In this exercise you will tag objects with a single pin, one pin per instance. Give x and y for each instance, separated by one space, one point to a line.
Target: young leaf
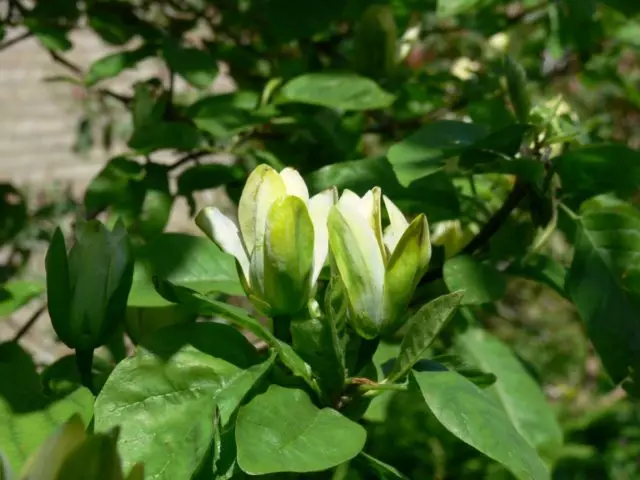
281 430
476 419
424 152
604 284
113 64
480 283
423 329
521 397
336 90
382 470
165 396
517 88
17 293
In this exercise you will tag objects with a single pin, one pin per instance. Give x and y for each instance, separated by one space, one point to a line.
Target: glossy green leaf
150 137
521 397
165 396
281 430
193 262
17 293
481 283
343 91
422 330
478 420
196 66
382 470
27 415
517 89
604 284
423 153
591 170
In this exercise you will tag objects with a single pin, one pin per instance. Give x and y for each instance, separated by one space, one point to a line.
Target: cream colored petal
264 186
398 224
224 233
294 184
319 208
361 266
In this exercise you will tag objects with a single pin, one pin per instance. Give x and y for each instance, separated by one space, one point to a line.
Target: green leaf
517 89
449 8
51 36
434 195
194 262
196 66
113 64
148 138
27 415
496 151
374 52
282 431
17 293
114 187
628 7
343 91
164 398
207 176
228 114
157 203
424 152
604 284
518 393
592 170
481 283
382 470
95 457
423 329
6 473
478 420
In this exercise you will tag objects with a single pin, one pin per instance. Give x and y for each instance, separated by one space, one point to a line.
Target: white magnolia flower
379 269
282 244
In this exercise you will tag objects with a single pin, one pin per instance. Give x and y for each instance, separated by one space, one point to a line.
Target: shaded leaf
281 430
517 89
17 293
113 64
196 66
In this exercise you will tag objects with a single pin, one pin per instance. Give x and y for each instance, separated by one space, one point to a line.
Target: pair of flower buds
285 238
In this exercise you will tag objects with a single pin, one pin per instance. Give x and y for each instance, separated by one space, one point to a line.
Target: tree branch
15 40
30 323
188 158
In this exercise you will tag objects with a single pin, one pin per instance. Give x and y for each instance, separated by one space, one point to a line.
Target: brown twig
30 323
14 40
188 158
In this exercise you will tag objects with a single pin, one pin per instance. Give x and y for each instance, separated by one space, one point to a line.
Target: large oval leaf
519 394
480 283
475 418
604 284
343 91
186 260
282 431
164 398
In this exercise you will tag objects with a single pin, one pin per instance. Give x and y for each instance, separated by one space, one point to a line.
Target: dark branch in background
14 40
188 158
30 323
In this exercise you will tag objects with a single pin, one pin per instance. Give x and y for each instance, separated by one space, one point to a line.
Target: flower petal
360 264
319 208
294 184
224 233
398 224
407 264
264 186
288 256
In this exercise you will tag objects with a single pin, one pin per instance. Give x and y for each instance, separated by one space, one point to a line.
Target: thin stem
15 40
30 323
188 158
84 362
380 387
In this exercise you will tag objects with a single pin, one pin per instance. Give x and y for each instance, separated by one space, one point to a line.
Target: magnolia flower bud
379 270
282 243
88 287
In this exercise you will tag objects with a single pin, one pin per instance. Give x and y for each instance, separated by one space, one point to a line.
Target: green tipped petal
407 265
224 233
288 256
360 264
264 186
